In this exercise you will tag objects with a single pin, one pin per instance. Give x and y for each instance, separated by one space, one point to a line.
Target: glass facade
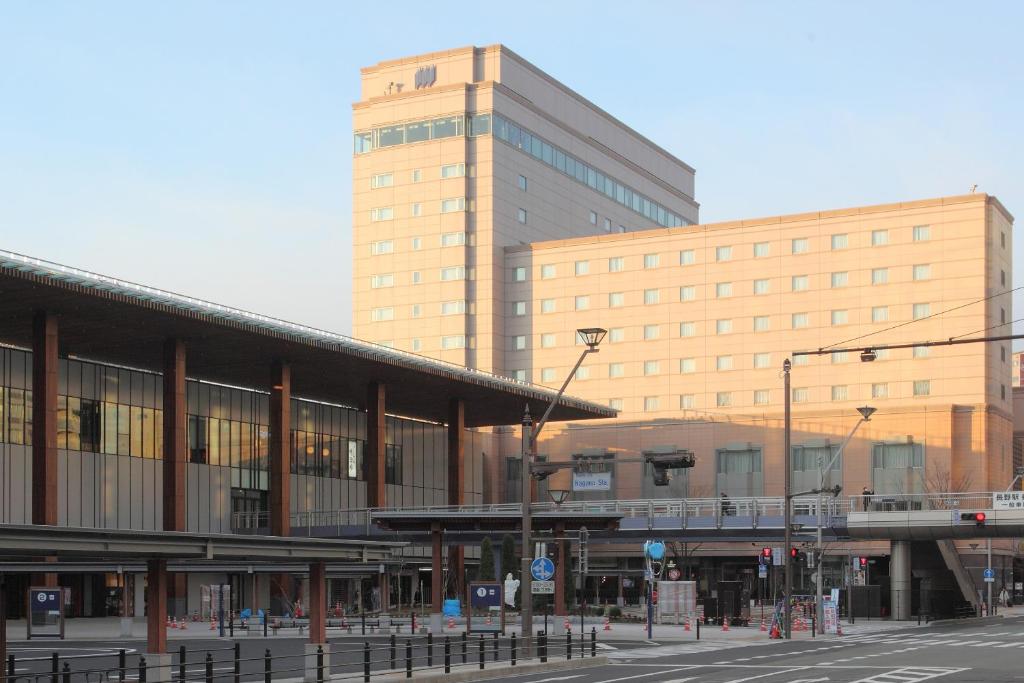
486 123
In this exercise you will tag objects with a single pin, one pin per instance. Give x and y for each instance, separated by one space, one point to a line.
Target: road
958 653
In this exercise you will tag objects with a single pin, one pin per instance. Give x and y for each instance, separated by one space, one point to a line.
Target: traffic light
766 553
977 517
863 563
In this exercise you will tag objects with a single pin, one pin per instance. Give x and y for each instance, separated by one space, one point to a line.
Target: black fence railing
342 661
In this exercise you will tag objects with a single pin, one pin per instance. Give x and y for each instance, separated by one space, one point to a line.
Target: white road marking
557 678
606 646
652 673
770 673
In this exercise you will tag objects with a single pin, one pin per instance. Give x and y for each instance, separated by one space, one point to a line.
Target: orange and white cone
183 626
725 623
489 622
174 623
839 628
451 622
686 624
213 624
764 627
567 626
167 624
775 632
607 624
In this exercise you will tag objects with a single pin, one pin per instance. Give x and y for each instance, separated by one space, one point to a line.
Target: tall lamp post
787 518
865 415
592 337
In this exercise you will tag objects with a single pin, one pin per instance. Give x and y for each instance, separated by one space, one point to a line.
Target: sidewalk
109 628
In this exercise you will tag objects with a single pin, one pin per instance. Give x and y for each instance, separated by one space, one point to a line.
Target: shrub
614 612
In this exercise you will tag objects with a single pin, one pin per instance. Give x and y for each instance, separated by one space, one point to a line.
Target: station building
128 408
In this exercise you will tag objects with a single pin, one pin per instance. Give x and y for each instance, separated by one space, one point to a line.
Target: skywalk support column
317 623
44 425
157 660
280 475
436 583
457 488
175 450
899 580
560 566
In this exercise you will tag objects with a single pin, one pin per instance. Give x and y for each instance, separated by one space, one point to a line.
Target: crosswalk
911 674
695 647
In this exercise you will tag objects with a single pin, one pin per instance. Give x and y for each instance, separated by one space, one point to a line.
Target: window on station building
519 274
382 314
800 283
547 305
382 247
762 249
761 397
762 323
581 267
687 293
762 360
800 245
453 170
453 205
382 213
723 253
547 340
687 257
761 286
879 238
616 370
922 233
879 314
922 271
687 365
616 335
616 300
382 180
616 264
687 329
547 271
723 289
651 296
840 279
840 241
453 239
651 260
453 341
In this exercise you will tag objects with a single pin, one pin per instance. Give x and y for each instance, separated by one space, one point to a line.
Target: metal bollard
121 657
568 644
814 625
447 655
593 641
142 670
393 654
465 645
209 668
181 663
66 673
430 649
266 618
319 664
267 666
231 623
363 619
54 666
366 662
481 651
408 658
512 649
542 646
698 629
238 663
10 666
495 647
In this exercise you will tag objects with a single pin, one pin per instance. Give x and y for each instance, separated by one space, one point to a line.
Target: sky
205 147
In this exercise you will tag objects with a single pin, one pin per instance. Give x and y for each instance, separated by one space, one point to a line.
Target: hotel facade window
800 283
723 253
762 360
762 249
687 293
840 241
382 247
879 314
651 260
547 341
687 329
582 267
616 264
800 245
616 300
879 276
723 289
840 279
897 468
922 233
922 272
547 271
651 296
739 472
687 257
761 286
381 180
879 238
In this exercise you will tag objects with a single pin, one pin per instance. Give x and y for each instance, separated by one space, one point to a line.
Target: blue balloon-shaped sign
654 550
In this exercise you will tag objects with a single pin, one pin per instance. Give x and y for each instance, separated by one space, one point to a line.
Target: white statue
511 588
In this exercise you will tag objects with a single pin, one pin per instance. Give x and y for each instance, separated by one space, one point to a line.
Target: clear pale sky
205 147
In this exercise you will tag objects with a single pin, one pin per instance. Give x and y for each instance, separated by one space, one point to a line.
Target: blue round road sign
990 573
542 569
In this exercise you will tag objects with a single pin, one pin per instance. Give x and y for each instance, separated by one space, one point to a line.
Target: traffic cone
213 624
764 626
686 624
607 624
567 626
451 622
174 623
167 624
489 622
183 627
839 628
725 624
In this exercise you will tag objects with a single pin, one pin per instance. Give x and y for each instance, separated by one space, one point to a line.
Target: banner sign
1008 500
591 481
831 615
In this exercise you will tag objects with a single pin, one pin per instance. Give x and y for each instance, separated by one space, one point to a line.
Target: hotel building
480 246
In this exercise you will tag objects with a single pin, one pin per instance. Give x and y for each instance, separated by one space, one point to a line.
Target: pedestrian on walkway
867 493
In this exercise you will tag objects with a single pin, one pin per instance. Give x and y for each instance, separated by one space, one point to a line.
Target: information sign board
46 612
542 587
591 481
485 609
1008 500
831 615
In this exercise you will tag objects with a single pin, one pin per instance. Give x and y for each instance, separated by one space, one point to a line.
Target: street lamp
865 415
592 337
558 496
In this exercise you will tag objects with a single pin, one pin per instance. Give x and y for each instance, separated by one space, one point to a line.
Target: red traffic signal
794 553
977 517
863 563
766 552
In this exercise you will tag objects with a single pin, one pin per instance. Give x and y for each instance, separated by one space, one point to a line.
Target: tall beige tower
460 154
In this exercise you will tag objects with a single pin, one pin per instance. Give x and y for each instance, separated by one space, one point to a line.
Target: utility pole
786 514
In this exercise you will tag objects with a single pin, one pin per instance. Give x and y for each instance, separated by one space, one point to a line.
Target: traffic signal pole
787 563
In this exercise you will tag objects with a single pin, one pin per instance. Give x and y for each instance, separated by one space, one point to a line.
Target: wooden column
45 374
560 568
175 433
317 603
280 475
280 449
457 486
156 607
375 445
44 418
